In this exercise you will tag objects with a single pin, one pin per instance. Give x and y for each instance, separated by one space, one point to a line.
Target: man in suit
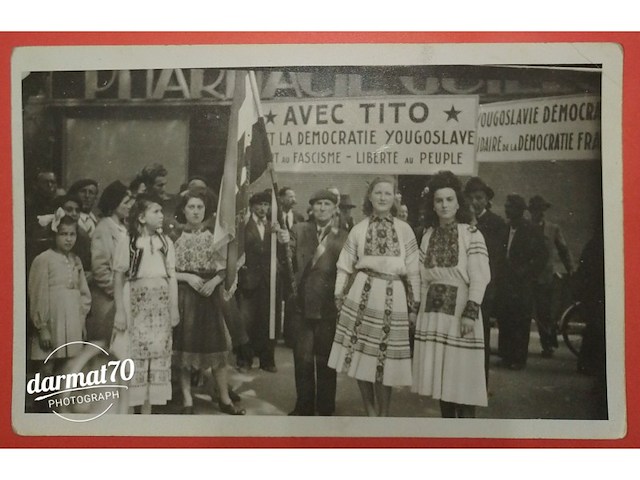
284 308
315 248
254 285
548 286
346 205
492 227
524 255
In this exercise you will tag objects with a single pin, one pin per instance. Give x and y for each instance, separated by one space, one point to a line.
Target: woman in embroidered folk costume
200 340
146 297
378 273
448 362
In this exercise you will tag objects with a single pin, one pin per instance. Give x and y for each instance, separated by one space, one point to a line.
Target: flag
247 157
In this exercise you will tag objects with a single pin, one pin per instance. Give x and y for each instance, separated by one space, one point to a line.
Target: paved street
548 388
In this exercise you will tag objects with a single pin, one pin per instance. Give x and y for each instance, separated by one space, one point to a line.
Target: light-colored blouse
384 245
153 263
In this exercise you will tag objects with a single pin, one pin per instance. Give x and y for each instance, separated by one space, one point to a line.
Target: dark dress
200 339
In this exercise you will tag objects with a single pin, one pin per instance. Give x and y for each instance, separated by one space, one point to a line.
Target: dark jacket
521 265
492 227
257 266
315 282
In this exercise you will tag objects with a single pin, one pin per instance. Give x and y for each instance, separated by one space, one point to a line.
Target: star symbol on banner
452 114
270 117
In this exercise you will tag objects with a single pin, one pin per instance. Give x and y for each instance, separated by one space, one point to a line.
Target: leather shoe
547 353
270 369
231 409
187 410
297 413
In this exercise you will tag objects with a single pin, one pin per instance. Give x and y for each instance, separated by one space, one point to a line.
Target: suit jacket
522 265
492 227
560 260
297 218
257 266
316 282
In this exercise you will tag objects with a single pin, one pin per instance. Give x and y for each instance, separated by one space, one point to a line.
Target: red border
630 42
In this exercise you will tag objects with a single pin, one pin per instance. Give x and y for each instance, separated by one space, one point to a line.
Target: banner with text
390 135
557 128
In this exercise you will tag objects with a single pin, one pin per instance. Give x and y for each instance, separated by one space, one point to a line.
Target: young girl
59 297
146 298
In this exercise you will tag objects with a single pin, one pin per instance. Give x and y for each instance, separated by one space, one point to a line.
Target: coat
256 271
103 246
316 282
521 266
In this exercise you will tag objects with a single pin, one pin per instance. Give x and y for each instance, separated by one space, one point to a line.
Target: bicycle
571 326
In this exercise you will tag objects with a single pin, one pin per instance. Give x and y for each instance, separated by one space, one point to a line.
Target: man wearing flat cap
492 227
254 284
548 286
315 248
524 256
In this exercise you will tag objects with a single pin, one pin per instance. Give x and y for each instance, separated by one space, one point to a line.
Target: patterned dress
59 301
148 302
378 271
454 268
200 339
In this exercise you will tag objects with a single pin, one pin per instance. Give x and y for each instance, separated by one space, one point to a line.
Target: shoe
234 396
231 409
242 369
270 369
297 413
547 353
187 410
516 366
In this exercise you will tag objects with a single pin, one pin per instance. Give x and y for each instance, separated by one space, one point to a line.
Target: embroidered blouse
153 262
384 245
456 253
195 253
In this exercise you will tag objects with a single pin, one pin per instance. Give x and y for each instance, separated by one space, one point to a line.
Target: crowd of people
380 301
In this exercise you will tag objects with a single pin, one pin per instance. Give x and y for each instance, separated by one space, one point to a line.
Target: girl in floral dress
448 362
146 297
378 273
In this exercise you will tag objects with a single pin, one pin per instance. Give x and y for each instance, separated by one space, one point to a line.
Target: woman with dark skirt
200 341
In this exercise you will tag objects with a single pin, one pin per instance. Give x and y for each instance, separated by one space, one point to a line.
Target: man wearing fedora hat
524 256
315 248
548 286
492 226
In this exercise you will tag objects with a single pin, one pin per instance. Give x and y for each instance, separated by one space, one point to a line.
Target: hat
323 195
517 201
538 204
111 197
476 183
260 197
345 201
80 184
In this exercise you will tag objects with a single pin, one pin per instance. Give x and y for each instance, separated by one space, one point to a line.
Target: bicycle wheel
572 325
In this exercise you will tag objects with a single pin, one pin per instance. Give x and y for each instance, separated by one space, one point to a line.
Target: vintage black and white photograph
319 240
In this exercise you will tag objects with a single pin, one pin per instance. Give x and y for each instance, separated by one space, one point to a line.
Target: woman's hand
195 282
208 288
339 301
44 339
120 321
466 326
